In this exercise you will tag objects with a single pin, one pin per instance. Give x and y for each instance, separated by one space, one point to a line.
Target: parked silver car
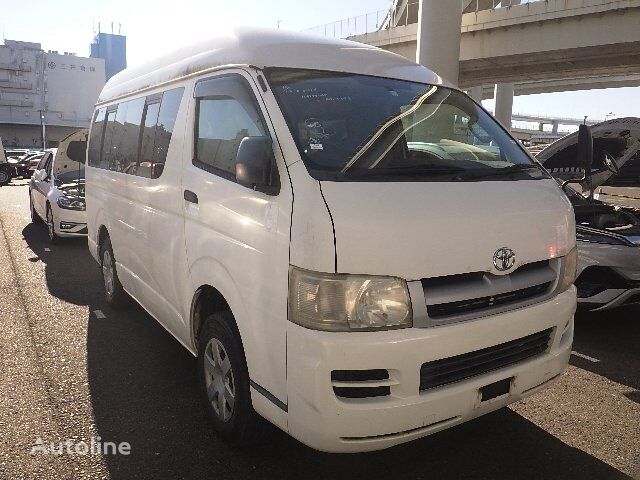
608 235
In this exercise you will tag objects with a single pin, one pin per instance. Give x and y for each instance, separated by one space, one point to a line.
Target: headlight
71 203
569 270
326 301
597 237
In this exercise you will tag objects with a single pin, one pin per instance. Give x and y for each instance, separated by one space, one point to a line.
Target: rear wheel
114 292
51 226
224 383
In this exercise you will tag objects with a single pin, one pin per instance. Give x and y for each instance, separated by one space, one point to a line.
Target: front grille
454 369
475 304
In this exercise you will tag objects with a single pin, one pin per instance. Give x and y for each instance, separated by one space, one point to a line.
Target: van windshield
360 128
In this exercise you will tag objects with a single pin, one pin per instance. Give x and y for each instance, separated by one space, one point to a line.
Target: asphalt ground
72 369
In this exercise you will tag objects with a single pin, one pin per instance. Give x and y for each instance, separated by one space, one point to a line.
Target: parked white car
56 189
275 201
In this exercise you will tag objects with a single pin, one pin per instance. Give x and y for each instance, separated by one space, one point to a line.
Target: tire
5 178
35 218
222 367
114 293
51 227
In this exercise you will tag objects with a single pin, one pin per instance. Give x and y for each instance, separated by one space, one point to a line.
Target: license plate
495 390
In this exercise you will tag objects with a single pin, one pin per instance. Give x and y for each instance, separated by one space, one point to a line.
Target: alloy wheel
219 379
107 273
50 225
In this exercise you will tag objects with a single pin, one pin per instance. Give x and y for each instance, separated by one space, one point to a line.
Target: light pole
43 130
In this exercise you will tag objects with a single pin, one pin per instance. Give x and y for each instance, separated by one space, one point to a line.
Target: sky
155 26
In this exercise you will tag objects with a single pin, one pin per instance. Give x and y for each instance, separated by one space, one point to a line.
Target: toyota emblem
504 259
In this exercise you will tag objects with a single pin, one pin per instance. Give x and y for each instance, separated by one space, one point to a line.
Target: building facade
113 49
45 92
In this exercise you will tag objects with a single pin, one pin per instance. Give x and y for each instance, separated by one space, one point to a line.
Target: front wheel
224 383
34 215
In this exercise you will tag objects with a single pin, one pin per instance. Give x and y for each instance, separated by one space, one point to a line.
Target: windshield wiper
505 171
416 172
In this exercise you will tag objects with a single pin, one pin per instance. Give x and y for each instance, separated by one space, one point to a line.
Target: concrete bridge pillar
476 93
554 127
439 32
503 95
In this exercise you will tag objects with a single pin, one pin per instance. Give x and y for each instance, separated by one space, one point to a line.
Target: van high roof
266 48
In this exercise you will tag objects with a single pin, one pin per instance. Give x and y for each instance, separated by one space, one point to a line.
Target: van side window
148 138
226 112
106 159
133 137
95 139
164 128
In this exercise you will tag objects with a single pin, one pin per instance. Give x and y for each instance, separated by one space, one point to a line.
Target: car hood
619 137
420 230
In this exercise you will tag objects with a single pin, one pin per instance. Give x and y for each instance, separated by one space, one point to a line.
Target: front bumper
70 223
609 275
318 418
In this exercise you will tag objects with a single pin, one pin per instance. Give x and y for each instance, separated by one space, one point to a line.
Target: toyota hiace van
354 250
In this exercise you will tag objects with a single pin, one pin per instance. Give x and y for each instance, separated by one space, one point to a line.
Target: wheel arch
206 301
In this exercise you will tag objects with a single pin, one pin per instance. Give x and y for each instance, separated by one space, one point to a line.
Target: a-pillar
503 96
439 25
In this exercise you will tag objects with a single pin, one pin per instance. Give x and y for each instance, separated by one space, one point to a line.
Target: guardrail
408 14
348 27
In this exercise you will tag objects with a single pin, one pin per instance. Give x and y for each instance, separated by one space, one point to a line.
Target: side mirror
585 147
254 164
40 175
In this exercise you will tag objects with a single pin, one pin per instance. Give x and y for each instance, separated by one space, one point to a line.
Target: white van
355 251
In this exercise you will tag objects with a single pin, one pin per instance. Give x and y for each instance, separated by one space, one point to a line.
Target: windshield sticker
316 146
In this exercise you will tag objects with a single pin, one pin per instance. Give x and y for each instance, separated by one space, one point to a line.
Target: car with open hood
56 189
608 234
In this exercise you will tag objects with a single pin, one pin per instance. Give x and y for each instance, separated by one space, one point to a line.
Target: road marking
47 249
586 357
99 314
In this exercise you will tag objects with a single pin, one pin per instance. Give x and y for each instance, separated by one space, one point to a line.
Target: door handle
191 197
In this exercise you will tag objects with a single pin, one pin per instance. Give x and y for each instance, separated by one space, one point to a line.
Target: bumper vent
454 369
361 383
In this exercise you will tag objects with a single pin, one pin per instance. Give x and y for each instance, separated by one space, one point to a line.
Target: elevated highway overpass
539 46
